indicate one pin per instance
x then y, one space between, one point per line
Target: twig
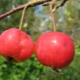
62 3
52 11
22 17
57 6
30 4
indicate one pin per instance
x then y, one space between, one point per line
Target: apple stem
9 58
22 17
52 11
55 70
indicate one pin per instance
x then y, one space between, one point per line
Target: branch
30 4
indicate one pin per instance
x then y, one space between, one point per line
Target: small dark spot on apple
67 61
57 52
64 44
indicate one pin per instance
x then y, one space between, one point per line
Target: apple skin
16 44
55 49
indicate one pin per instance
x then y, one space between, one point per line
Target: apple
55 49
16 45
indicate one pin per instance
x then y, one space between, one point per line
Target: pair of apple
51 49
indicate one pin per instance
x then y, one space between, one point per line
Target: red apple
16 44
55 49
